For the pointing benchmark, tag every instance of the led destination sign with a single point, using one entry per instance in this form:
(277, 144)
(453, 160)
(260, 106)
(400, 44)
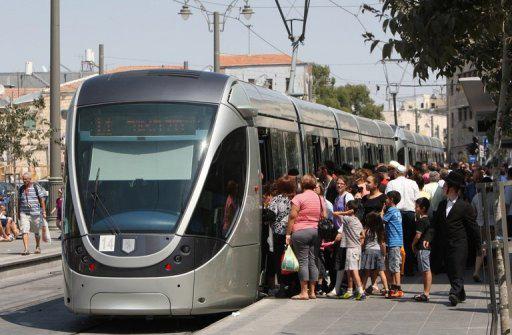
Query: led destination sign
(142, 124)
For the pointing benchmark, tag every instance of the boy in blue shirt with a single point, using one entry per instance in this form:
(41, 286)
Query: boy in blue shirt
(394, 240)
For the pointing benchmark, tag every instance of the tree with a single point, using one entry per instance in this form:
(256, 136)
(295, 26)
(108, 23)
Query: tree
(23, 131)
(443, 36)
(351, 98)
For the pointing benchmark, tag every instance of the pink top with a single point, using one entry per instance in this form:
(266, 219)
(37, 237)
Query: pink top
(309, 210)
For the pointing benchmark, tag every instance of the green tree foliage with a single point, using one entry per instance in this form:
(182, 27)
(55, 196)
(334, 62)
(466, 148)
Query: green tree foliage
(23, 131)
(443, 36)
(350, 98)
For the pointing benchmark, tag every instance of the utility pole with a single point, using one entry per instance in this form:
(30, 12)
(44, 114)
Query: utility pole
(432, 125)
(216, 42)
(394, 108)
(185, 65)
(293, 67)
(101, 65)
(249, 39)
(55, 145)
(416, 116)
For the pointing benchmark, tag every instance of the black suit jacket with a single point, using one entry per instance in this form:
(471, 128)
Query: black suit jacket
(457, 228)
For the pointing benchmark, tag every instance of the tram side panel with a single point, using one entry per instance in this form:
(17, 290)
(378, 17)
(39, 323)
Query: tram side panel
(229, 280)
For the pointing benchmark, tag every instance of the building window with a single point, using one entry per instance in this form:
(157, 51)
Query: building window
(408, 126)
(422, 105)
(453, 118)
(437, 132)
(433, 105)
(287, 83)
(460, 114)
(269, 83)
(465, 114)
(251, 81)
(470, 113)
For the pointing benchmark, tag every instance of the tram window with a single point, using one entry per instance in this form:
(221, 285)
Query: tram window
(293, 157)
(278, 153)
(341, 155)
(355, 147)
(350, 156)
(221, 198)
(330, 150)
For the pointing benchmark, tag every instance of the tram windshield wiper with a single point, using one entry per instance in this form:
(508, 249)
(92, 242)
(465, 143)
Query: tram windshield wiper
(96, 199)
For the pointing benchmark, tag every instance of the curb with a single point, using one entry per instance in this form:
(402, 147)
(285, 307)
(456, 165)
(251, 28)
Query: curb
(23, 266)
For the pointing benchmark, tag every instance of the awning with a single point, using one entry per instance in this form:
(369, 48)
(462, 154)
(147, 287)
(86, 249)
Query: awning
(479, 100)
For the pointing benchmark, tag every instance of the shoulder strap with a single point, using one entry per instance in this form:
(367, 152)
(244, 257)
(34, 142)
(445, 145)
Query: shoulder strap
(321, 208)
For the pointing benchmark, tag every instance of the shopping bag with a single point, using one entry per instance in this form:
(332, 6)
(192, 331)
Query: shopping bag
(290, 262)
(46, 237)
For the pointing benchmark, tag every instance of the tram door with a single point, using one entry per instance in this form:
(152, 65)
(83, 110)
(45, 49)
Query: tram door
(265, 154)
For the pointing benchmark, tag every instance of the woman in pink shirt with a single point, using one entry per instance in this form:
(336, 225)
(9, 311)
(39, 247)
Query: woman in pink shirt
(302, 232)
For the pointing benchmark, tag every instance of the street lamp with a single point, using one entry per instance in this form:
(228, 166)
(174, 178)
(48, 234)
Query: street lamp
(185, 12)
(216, 22)
(247, 11)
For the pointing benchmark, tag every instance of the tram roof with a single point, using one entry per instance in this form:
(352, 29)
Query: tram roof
(157, 85)
(269, 102)
(367, 127)
(346, 121)
(385, 129)
(315, 114)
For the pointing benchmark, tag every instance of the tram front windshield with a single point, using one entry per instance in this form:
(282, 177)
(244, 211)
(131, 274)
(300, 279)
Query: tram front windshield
(136, 163)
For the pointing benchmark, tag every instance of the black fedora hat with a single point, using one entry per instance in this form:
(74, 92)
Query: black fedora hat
(455, 179)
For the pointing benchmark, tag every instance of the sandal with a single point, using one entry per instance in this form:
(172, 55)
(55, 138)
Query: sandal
(299, 297)
(312, 296)
(37, 251)
(25, 253)
(421, 298)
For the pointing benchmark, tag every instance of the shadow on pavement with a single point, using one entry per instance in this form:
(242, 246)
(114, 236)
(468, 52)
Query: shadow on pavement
(52, 316)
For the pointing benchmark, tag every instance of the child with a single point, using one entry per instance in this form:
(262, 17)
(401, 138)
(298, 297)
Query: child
(354, 237)
(394, 240)
(372, 261)
(422, 253)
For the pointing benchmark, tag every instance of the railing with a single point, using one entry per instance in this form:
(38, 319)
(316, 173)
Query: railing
(498, 255)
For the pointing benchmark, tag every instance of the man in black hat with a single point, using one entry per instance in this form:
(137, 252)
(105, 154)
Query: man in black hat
(455, 222)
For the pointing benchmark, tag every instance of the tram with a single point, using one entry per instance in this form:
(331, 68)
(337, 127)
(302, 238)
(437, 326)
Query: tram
(163, 185)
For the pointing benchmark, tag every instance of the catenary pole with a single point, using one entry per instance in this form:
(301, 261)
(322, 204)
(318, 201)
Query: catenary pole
(216, 42)
(101, 65)
(55, 145)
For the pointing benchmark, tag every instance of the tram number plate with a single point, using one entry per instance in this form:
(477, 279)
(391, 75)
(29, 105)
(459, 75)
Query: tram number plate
(107, 242)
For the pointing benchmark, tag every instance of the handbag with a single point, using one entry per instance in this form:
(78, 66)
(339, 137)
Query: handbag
(290, 263)
(325, 225)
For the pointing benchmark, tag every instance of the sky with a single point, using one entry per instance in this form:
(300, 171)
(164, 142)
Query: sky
(150, 32)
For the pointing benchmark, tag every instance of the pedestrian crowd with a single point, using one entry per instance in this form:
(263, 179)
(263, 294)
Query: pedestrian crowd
(24, 212)
(356, 232)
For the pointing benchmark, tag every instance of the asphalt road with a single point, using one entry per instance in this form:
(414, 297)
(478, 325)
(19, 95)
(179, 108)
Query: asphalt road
(32, 304)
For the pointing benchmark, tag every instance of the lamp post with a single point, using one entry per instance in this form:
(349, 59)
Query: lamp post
(216, 22)
(55, 146)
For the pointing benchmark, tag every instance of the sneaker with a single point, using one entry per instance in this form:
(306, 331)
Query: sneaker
(347, 295)
(389, 294)
(396, 294)
(360, 296)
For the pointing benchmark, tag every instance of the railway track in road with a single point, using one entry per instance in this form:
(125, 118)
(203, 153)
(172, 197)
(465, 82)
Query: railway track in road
(32, 304)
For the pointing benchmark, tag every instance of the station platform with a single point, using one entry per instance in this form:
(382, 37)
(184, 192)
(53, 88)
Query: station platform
(376, 315)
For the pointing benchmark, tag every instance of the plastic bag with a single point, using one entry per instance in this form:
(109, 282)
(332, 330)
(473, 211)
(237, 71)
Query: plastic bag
(46, 237)
(290, 262)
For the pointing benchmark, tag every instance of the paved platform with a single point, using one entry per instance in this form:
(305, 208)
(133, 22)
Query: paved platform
(376, 315)
(12, 262)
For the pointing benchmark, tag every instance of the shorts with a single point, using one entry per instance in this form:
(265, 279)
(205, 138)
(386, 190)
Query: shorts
(423, 257)
(373, 260)
(353, 260)
(340, 258)
(4, 222)
(30, 223)
(394, 259)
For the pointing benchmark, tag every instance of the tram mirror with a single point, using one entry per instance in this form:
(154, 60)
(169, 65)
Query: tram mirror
(248, 112)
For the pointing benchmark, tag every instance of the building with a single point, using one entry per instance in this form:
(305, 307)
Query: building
(424, 114)
(270, 70)
(471, 112)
